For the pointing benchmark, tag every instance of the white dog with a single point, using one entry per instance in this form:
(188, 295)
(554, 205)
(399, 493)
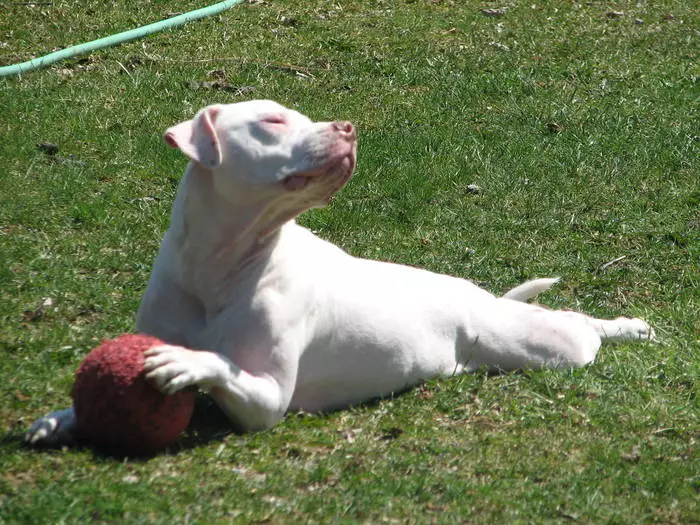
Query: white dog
(267, 317)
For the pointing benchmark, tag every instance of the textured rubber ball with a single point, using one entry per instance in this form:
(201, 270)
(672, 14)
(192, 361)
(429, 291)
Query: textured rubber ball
(117, 409)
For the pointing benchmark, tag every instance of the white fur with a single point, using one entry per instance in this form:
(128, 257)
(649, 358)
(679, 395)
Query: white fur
(267, 317)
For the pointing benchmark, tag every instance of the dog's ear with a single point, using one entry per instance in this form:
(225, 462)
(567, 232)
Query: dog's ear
(197, 138)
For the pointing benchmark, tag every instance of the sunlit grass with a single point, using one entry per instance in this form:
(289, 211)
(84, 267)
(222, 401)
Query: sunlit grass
(577, 125)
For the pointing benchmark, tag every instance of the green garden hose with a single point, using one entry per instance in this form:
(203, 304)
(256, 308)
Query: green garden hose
(119, 38)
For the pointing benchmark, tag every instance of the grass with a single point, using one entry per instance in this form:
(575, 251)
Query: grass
(578, 126)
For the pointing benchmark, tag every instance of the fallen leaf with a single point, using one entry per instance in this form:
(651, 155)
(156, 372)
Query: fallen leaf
(19, 396)
(38, 312)
(554, 127)
(634, 455)
(218, 74)
(350, 434)
(494, 12)
(48, 148)
(425, 392)
(614, 14)
(391, 434)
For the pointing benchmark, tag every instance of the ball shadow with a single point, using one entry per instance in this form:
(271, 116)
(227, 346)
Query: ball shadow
(208, 424)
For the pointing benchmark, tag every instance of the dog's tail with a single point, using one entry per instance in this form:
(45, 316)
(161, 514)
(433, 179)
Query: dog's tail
(530, 289)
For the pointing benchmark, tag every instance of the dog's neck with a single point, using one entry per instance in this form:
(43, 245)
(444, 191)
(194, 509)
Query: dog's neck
(214, 234)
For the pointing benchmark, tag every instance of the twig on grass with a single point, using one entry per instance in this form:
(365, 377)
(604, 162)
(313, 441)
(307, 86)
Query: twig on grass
(579, 413)
(126, 71)
(271, 65)
(610, 263)
(540, 397)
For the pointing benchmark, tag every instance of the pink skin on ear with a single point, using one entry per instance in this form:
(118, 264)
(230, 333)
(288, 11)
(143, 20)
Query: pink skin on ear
(179, 134)
(197, 138)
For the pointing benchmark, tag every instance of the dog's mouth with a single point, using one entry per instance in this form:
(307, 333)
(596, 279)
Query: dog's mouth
(334, 174)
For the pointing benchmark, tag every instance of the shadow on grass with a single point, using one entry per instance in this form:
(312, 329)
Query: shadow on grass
(208, 424)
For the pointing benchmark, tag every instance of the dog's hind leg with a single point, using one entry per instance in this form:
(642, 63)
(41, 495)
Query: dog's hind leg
(510, 335)
(620, 329)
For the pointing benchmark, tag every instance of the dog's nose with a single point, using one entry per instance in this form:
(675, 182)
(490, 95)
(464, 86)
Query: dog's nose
(344, 128)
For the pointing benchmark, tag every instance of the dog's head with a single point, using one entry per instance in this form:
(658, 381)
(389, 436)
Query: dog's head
(260, 150)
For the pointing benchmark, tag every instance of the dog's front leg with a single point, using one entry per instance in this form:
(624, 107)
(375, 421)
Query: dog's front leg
(254, 403)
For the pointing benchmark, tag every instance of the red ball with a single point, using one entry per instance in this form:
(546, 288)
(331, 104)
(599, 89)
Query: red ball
(117, 409)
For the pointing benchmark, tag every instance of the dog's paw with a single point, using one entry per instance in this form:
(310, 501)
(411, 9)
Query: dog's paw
(173, 368)
(633, 329)
(53, 430)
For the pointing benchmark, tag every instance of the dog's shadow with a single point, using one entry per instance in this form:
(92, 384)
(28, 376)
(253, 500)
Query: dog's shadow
(208, 424)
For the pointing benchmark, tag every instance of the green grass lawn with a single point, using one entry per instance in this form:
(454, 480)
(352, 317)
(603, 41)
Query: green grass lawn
(578, 122)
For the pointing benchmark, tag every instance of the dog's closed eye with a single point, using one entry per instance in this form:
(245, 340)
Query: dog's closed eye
(277, 120)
